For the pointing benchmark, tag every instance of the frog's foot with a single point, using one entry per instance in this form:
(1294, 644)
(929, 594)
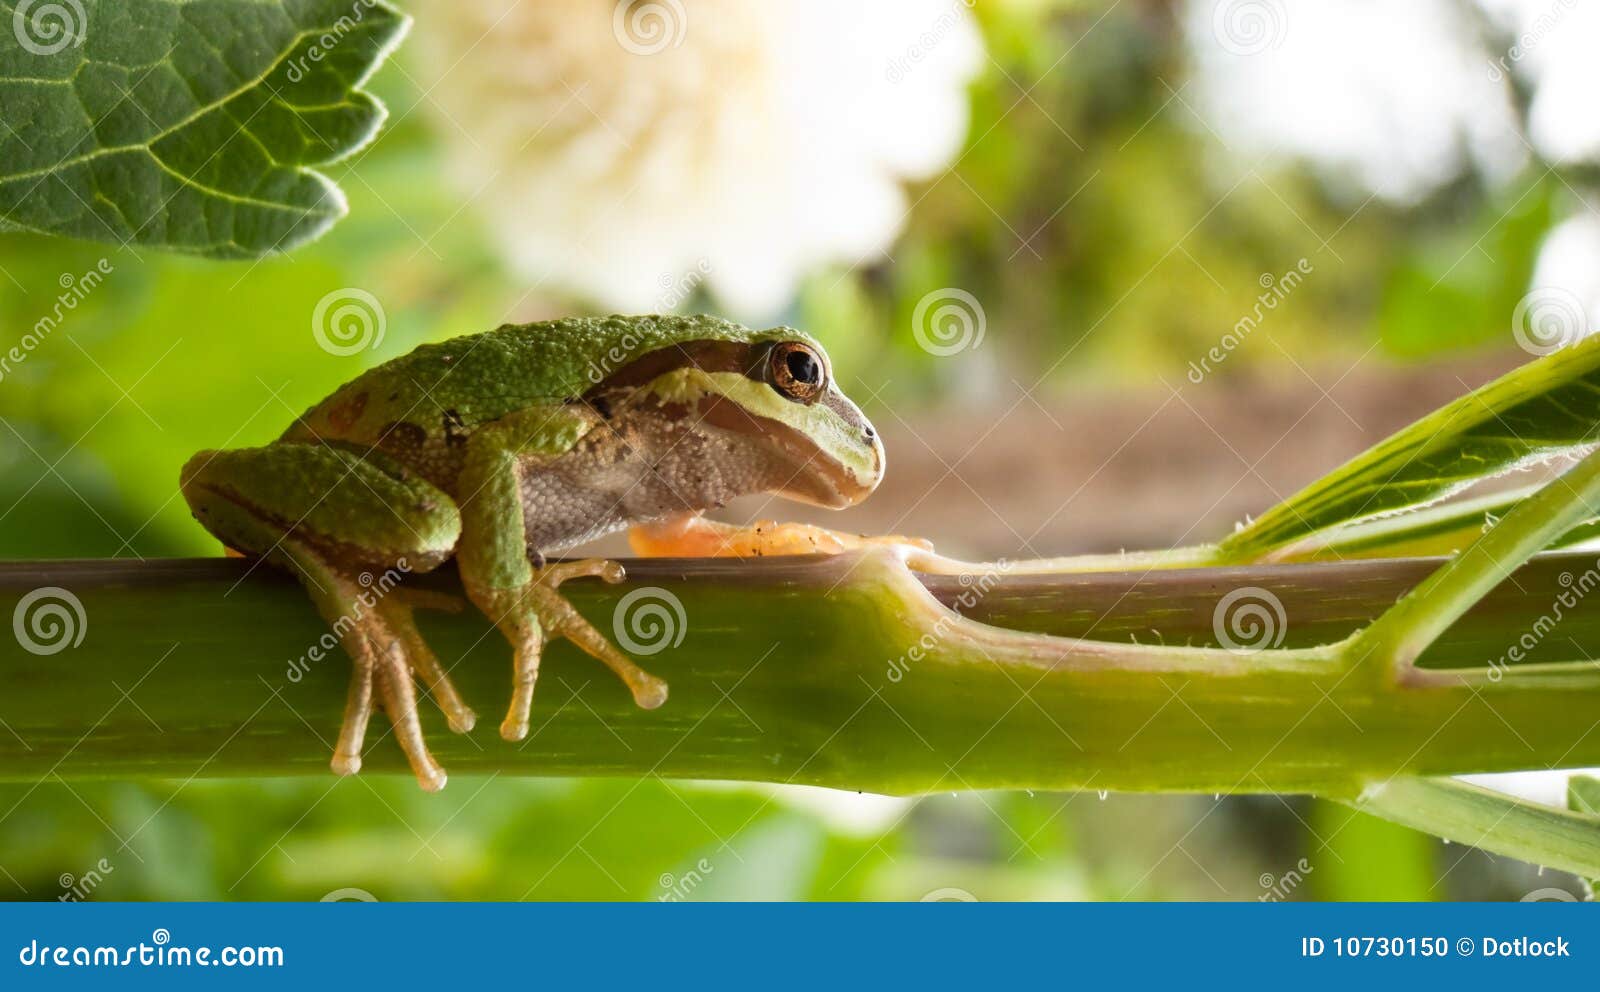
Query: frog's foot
(397, 609)
(693, 536)
(389, 652)
(527, 615)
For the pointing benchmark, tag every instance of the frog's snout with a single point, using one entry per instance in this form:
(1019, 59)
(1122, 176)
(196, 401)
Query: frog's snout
(874, 457)
(856, 470)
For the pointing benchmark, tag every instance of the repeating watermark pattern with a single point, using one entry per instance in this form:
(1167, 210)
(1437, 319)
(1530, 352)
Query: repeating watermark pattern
(1249, 619)
(349, 894)
(348, 321)
(648, 621)
(45, 27)
(949, 894)
(676, 292)
(613, 358)
(1280, 887)
(677, 888)
(1274, 290)
(1528, 40)
(974, 586)
(1249, 27)
(49, 620)
(948, 321)
(299, 67)
(649, 27)
(1549, 895)
(1573, 591)
(373, 589)
(74, 290)
(900, 66)
(76, 888)
(1548, 319)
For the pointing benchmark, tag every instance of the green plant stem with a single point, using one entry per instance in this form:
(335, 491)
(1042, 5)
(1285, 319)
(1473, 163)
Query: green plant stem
(846, 672)
(1468, 814)
(1400, 636)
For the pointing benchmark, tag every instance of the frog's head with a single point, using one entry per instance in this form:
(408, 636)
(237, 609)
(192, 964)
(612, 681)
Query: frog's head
(771, 396)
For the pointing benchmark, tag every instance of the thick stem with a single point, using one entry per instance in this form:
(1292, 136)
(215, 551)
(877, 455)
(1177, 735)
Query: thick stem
(839, 671)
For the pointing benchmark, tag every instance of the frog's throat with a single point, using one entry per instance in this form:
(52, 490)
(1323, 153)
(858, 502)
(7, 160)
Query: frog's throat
(837, 454)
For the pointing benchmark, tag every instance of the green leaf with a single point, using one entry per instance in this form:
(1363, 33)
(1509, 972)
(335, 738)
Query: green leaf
(1435, 530)
(192, 126)
(1543, 410)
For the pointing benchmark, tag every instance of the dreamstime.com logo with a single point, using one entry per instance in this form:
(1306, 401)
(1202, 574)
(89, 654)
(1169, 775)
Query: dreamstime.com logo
(45, 27)
(1277, 888)
(1548, 319)
(648, 621)
(49, 620)
(901, 65)
(677, 888)
(1249, 619)
(76, 888)
(1543, 26)
(1274, 290)
(348, 321)
(948, 321)
(373, 589)
(1573, 591)
(159, 953)
(328, 40)
(1249, 27)
(676, 292)
(974, 586)
(648, 27)
(1549, 895)
(74, 290)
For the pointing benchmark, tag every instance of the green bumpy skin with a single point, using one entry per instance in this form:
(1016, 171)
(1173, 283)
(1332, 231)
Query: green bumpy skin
(484, 377)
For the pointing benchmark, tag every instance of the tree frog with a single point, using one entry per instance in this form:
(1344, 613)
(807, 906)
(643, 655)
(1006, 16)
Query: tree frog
(500, 448)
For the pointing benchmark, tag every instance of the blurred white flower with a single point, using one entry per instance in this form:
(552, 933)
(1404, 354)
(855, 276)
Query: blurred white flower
(1569, 260)
(617, 147)
(1552, 48)
(1399, 97)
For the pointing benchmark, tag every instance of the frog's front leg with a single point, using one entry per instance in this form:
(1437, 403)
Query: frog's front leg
(330, 516)
(693, 536)
(522, 601)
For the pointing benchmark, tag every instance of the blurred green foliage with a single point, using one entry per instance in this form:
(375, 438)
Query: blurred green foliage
(1086, 213)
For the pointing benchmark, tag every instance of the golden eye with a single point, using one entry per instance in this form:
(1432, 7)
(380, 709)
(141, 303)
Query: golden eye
(797, 371)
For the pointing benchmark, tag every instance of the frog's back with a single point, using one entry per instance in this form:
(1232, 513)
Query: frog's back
(451, 387)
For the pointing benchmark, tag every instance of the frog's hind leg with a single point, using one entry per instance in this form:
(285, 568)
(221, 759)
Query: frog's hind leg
(310, 508)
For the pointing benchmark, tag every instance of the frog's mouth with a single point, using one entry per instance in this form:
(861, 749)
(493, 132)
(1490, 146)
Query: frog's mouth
(840, 470)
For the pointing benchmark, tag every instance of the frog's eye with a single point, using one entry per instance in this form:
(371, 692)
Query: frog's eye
(797, 371)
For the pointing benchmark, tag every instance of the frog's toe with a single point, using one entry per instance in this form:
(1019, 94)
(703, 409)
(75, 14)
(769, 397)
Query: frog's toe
(397, 614)
(400, 702)
(385, 659)
(529, 615)
(556, 613)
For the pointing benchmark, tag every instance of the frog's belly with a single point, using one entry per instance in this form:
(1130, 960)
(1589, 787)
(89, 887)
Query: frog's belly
(560, 509)
(626, 476)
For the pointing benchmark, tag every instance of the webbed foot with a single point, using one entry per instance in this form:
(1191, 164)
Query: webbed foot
(526, 616)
